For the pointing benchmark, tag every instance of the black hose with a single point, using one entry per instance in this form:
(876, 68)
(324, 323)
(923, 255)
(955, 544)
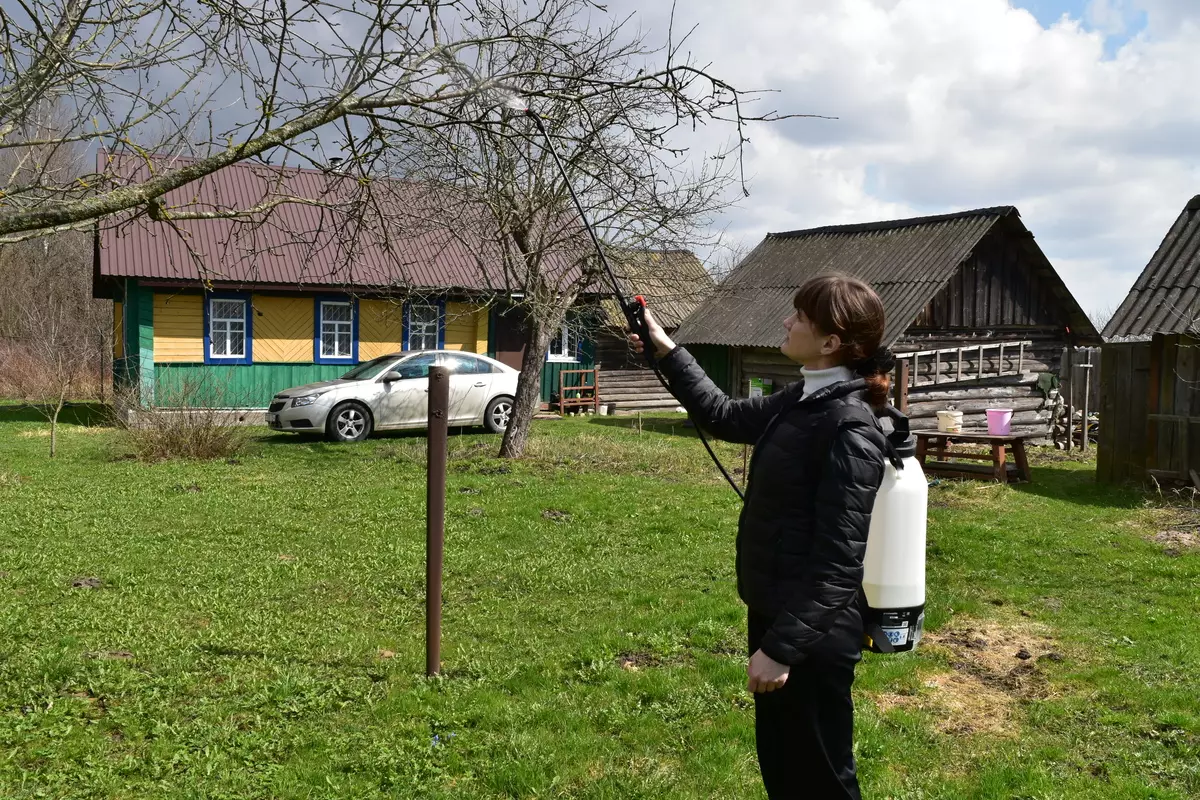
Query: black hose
(635, 312)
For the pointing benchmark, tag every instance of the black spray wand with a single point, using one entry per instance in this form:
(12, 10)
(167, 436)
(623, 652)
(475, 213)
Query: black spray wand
(635, 310)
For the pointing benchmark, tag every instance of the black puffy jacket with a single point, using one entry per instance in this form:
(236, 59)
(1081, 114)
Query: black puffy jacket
(802, 532)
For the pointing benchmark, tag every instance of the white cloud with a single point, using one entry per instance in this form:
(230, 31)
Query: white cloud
(952, 104)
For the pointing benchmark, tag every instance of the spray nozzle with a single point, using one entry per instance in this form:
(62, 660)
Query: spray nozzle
(515, 103)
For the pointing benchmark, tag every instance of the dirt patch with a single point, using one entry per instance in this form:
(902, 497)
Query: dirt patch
(558, 515)
(84, 582)
(111, 655)
(994, 667)
(635, 661)
(1175, 542)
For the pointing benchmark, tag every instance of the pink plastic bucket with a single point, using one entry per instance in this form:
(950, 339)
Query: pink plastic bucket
(999, 421)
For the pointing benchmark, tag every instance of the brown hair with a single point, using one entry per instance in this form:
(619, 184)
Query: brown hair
(848, 308)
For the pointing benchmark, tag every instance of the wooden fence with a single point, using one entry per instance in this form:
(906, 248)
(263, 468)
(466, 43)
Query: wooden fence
(1151, 395)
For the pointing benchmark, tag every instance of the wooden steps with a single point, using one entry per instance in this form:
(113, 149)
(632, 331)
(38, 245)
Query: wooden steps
(634, 390)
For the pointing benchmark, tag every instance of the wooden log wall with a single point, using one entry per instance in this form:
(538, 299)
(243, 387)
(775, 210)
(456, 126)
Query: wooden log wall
(1032, 412)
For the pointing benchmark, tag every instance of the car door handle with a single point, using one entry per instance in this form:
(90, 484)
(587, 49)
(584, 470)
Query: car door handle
(481, 383)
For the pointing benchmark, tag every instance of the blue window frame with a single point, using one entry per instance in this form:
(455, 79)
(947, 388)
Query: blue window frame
(335, 330)
(424, 325)
(228, 329)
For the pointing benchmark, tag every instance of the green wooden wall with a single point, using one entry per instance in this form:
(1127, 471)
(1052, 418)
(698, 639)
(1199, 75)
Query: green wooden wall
(234, 386)
(715, 361)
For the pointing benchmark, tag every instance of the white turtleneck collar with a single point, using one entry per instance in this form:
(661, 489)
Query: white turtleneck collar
(817, 379)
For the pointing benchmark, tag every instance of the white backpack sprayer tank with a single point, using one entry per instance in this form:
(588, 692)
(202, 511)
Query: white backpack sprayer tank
(894, 566)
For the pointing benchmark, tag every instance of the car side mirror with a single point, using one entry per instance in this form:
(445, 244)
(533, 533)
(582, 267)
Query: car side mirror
(391, 375)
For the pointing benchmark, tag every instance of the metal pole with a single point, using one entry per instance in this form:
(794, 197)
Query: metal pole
(435, 515)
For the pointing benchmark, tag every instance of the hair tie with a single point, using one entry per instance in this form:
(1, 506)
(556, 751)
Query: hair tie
(881, 362)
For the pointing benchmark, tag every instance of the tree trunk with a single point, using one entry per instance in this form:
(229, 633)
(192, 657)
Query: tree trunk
(529, 387)
(54, 425)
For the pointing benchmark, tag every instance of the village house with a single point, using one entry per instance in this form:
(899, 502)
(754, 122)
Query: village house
(226, 312)
(974, 308)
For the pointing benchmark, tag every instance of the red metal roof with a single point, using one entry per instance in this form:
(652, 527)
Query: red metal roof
(353, 234)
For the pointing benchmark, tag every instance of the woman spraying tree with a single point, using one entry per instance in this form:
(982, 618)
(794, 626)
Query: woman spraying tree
(818, 463)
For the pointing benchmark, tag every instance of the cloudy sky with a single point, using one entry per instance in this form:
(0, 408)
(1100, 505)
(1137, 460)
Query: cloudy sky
(1081, 113)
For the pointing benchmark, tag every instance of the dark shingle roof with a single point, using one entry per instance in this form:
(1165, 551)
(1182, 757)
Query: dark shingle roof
(674, 282)
(1166, 296)
(907, 261)
(354, 234)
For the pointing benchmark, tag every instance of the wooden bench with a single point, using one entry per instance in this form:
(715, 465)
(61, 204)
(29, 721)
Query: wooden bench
(941, 444)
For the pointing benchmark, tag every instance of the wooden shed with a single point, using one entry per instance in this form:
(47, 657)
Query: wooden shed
(674, 282)
(1151, 367)
(972, 303)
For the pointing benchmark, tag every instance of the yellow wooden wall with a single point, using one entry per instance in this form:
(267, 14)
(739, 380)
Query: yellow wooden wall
(380, 328)
(118, 329)
(282, 329)
(178, 327)
(462, 328)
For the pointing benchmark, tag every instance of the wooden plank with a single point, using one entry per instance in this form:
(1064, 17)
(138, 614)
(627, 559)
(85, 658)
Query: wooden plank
(970, 437)
(1150, 444)
(1069, 372)
(1022, 460)
(998, 461)
(959, 373)
(901, 390)
(1104, 452)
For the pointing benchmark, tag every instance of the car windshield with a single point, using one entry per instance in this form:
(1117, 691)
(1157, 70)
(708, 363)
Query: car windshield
(369, 369)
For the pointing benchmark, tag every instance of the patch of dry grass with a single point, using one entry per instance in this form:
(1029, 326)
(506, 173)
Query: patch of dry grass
(994, 666)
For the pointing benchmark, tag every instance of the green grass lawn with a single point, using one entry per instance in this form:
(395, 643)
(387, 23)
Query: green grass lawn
(258, 630)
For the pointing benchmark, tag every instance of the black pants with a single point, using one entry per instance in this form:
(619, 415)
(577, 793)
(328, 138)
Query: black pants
(805, 731)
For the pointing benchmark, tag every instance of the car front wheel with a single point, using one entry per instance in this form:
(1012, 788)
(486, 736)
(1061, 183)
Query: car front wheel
(348, 422)
(498, 414)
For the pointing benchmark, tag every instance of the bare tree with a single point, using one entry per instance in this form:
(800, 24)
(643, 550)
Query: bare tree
(52, 342)
(224, 82)
(412, 90)
(616, 152)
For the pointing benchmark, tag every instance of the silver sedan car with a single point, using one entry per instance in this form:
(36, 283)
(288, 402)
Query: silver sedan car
(392, 393)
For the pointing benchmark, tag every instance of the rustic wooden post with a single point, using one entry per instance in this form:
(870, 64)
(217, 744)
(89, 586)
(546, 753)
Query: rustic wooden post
(901, 388)
(1069, 372)
(1021, 360)
(959, 378)
(1087, 391)
(1000, 362)
(435, 514)
(979, 372)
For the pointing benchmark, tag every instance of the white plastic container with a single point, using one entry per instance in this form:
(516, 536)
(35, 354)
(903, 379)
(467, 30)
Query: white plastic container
(894, 564)
(950, 421)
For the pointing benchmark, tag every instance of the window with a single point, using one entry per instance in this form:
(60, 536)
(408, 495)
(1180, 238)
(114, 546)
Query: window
(564, 346)
(336, 336)
(417, 366)
(228, 330)
(337, 333)
(466, 365)
(424, 322)
(370, 369)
